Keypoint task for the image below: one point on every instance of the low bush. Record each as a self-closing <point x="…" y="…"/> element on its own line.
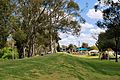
<point x="1" y="53"/>
<point x="8" y="53"/>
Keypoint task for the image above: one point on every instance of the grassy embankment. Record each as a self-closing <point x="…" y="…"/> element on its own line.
<point x="59" y="67"/>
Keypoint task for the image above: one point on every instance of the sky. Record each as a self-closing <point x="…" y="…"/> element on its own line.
<point x="89" y="29"/>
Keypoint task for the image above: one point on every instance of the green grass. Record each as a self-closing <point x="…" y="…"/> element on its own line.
<point x="59" y="67"/>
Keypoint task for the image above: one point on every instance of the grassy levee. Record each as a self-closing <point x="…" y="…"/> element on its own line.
<point x="59" y="67"/>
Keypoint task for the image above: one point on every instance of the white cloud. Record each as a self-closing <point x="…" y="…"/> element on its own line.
<point x="94" y="15"/>
<point x="84" y="37"/>
<point x="63" y="35"/>
<point x="115" y="1"/>
<point x="100" y="4"/>
<point x="86" y="26"/>
<point x="97" y="31"/>
<point x="68" y="40"/>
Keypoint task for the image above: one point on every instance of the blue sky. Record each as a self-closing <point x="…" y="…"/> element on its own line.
<point x="89" y="29"/>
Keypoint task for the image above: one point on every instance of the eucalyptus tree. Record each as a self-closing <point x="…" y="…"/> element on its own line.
<point x="61" y="14"/>
<point x="29" y="14"/>
<point x="111" y="19"/>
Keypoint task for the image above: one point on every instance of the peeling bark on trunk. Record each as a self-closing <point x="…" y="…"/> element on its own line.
<point x="51" y="44"/>
<point x="55" y="47"/>
<point x="24" y="51"/>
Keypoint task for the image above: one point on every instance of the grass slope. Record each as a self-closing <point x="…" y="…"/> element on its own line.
<point x="59" y="67"/>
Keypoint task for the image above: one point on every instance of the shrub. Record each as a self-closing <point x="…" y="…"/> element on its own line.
<point x="9" y="53"/>
<point x="1" y="53"/>
<point x="111" y="56"/>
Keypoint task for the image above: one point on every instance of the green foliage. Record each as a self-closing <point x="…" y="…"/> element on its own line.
<point x="94" y="48"/>
<point x="20" y="36"/>
<point x="8" y="53"/>
<point x="36" y="23"/>
<point x="1" y="53"/>
<point x="70" y="46"/>
<point x="104" y="43"/>
<point x="73" y="5"/>
<point x="5" y="11"/>
<point x="111" y="56"/>
<point x="85" y="45"/>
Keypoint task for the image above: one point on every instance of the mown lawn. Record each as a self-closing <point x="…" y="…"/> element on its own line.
<point x="59" y="67"/>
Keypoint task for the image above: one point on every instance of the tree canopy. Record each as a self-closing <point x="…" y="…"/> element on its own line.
<point x="35" y="24"/>
<point x="111" y="21"/>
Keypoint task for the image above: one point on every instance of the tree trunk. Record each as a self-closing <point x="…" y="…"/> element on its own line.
<point x="30" y="49"/>
<point x="24" y="51"/>
<point x="51" y="44"/>
<point x="116" y="47"/>
<point x="33" y="47"/>
<point x="54" y="46"/>
<point x="116" y="59"/>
